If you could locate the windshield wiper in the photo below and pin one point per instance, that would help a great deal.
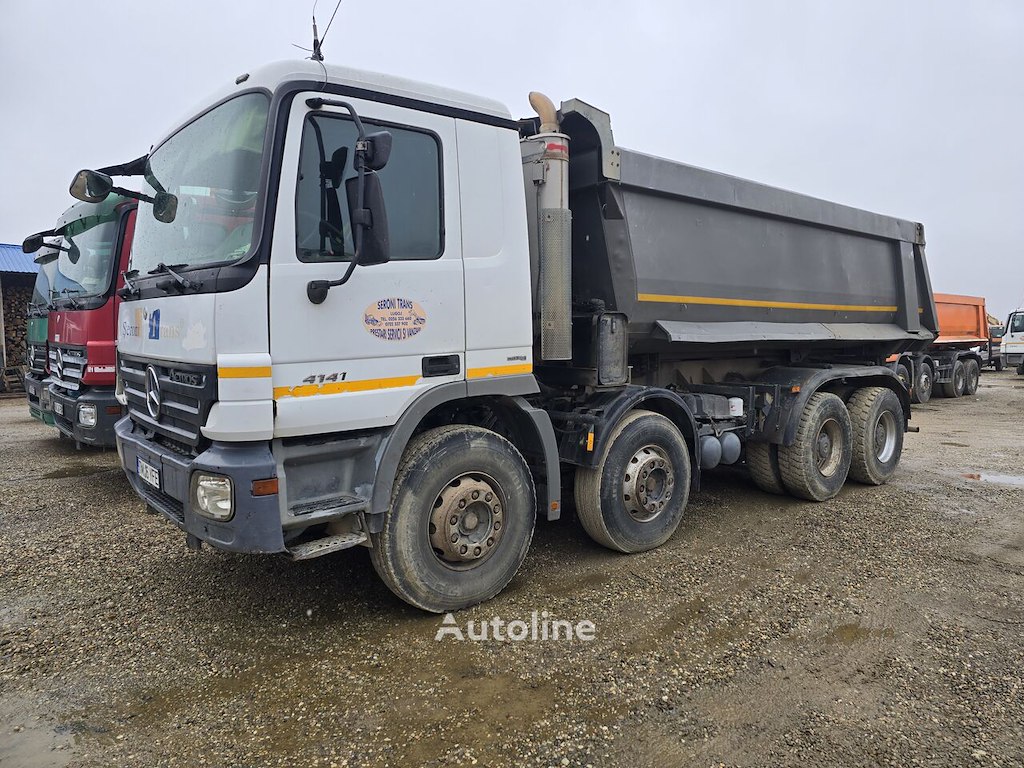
(129, 289)
(182, 283)
(69, 294)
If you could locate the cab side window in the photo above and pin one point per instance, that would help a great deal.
(411, 182)
(1017, 323)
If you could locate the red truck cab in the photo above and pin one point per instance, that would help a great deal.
(97, 241)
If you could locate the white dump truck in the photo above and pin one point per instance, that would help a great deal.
(369, 311)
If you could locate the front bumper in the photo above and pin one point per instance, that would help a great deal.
(1013, 359)
(256, 524)
(37, 389)
(64, 408)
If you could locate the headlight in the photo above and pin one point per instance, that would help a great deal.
(87, 415)
(213, 496)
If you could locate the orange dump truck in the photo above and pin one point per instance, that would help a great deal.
(952, 365)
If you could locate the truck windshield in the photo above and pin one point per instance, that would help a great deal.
(213, 167)
(84, 269)
(41, 289)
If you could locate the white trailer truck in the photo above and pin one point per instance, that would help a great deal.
(369, 311)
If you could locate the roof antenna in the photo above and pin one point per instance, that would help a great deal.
(317, 53)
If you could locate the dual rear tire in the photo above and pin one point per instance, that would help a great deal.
(861, 439)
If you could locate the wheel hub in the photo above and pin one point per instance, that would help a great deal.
(885, 436)
(647, 483)
(467, 519)
(827, 446)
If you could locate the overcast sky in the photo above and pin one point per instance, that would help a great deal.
(914, 109)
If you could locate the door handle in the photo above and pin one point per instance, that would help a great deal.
(440, 365)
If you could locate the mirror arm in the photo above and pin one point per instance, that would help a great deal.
(132, 194)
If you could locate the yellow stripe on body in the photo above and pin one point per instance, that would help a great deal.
(257, 372)
(711, 300)
(499, 370)
(336, 387)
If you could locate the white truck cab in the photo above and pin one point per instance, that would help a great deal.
(1012, 348)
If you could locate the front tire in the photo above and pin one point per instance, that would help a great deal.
(634, 499)
(461, 519)
(815, 466)
(876, 415)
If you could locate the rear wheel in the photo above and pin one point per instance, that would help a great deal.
(815, 466)
(903, 374)
(635, 497)
(972, 376)
(998, 364)
(955, 386)
(923, 384)
(763, 464)
(876, 416)
(461, 519)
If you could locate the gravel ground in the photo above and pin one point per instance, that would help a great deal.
(882, 627)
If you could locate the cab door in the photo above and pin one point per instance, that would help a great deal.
(1013, 340)
(394, 330)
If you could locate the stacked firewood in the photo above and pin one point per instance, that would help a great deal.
(16, 296)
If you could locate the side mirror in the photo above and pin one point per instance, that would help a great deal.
(32, 243)
(374, 244)
(91, 186)
(165, 207)
(378, 150)
(74, 254)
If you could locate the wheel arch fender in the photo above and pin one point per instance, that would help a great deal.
(445, 403)
(666, 402)
(839, 380)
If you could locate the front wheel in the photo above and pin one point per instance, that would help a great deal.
(461, 519)
(876, 416)
(815, 466)
(635, 497)
(998, 364)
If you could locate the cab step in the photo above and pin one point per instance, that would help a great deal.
(326, 545)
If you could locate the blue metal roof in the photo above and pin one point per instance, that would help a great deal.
(12, 259)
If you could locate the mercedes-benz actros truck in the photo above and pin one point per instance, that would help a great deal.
(367, 311)
(92, 254)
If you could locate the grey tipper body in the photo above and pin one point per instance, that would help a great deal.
(716, 259)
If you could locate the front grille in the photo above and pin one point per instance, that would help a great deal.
(187, 392)
(37, 357)
(67, 366)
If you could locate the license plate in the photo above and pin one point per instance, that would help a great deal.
(33, 390)
(58, 408)
(148, 473)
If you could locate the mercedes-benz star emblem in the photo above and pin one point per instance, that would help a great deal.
(152, 392)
